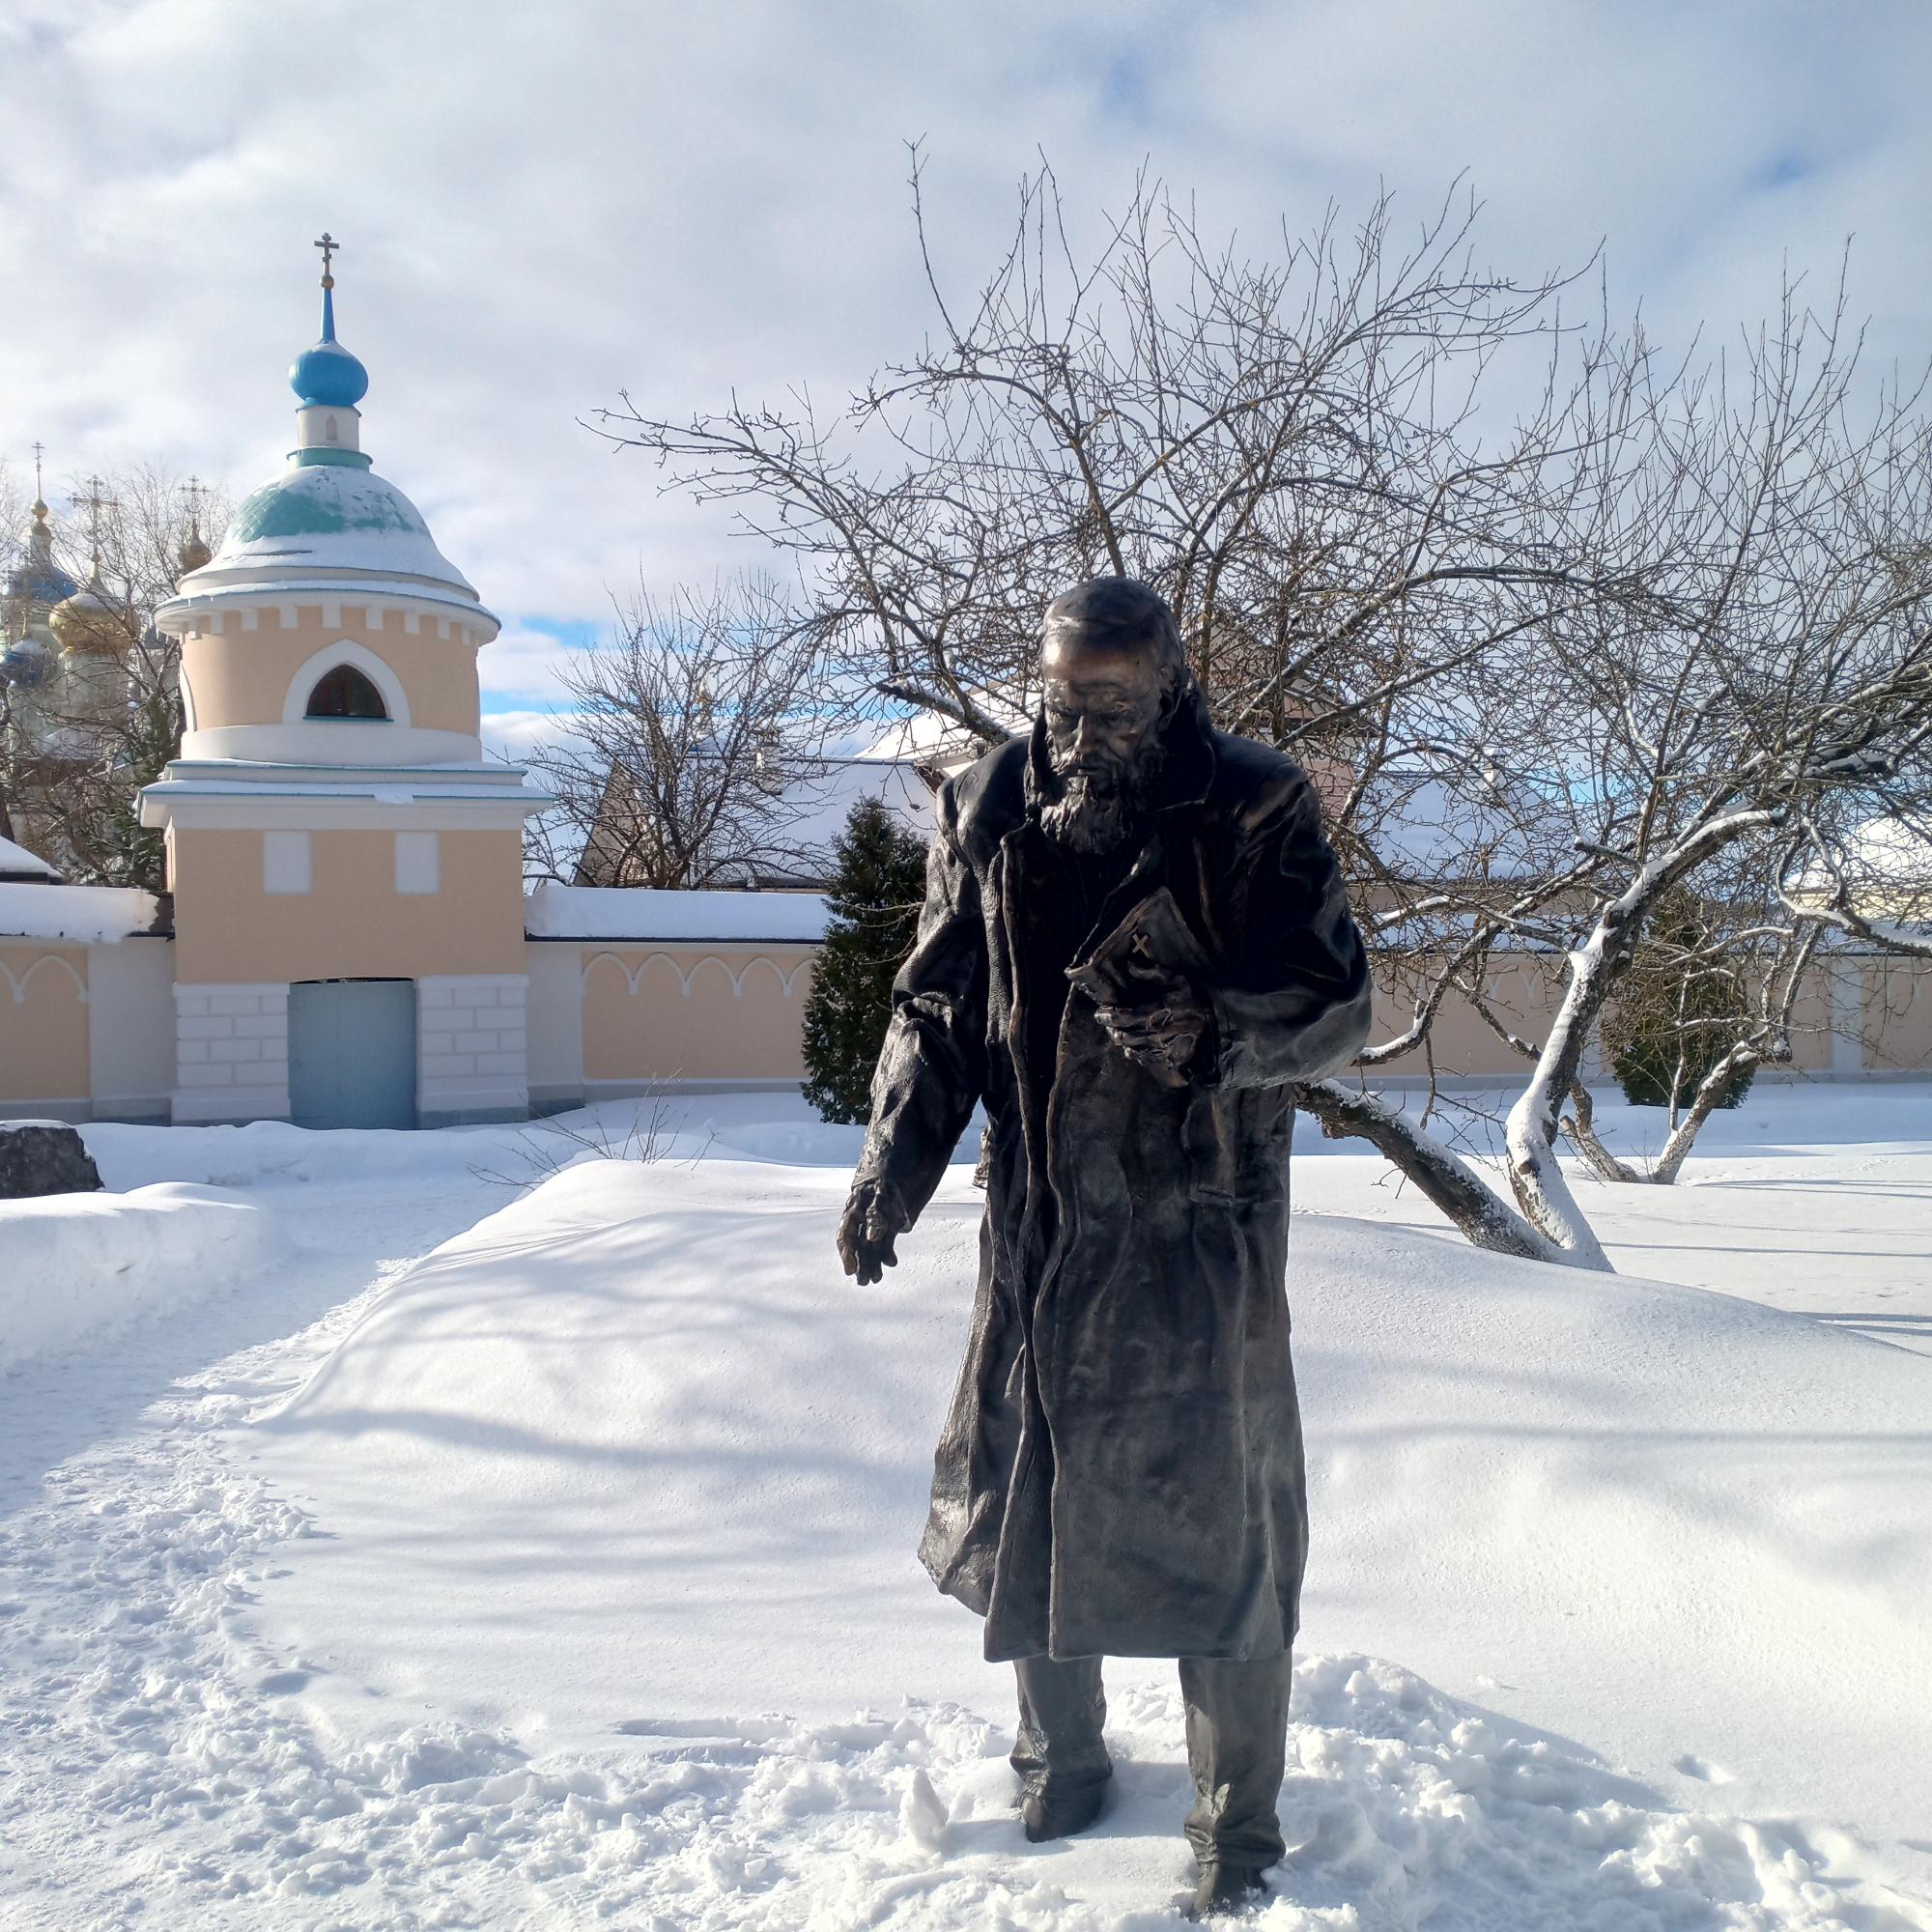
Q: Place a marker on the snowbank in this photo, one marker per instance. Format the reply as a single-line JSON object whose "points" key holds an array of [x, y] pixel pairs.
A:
{"points": [[80, 1266], [642, 912], [86, 914], [631, 1457]]}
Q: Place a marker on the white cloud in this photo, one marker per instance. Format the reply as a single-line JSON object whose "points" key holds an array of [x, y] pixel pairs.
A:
{"points": [[542, 205], [516, 734]]}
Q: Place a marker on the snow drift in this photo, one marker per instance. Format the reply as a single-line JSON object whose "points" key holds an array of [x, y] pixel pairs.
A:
{"points": [[629, 1460], [80, 1266]]}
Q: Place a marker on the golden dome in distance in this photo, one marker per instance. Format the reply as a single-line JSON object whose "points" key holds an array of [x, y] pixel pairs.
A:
{"points": [[90, 624], [195, 552]]}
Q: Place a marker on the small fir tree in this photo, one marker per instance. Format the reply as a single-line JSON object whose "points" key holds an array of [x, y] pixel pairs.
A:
{"points": [[874, 900], [1681, 1009]]}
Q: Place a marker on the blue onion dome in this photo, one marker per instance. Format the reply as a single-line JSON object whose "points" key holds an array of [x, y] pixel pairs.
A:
{"points": [[328, 374], [25, 664], [38, 579]]}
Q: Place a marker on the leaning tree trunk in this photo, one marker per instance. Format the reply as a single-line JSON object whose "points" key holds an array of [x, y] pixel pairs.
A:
{"points": [[1547, 1224], [1444, 1177], [1536, 1176], [1709, 1091]]}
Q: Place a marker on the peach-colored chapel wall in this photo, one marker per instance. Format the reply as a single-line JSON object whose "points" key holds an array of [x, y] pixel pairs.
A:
{"points": [[242, 676], [352, 922], [43, 1022], [694, 1012]]}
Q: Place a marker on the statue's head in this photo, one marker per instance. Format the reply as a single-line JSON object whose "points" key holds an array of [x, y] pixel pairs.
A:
{"points": [[1111, 667]]}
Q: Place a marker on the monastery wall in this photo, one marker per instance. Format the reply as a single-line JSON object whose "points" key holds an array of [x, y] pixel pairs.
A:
{"points": [[1854, 1017], [1896, 1004], [85, 1032], [43, 1066], [89, 1030], [706, 1015]]}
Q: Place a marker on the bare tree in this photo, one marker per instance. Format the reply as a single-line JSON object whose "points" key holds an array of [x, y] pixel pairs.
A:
{"points": [[81, 733], [695, 743], [1283, 448], [1767, 692], [1610, 626]]}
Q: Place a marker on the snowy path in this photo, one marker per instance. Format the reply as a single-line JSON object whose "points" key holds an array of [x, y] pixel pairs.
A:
{"points": [[165, 1763], [137, 1739]]}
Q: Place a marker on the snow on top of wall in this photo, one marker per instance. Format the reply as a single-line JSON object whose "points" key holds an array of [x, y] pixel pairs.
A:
{"points": [[645, 912], [18, 859], [85, 914], [926, 738], [820, 803]]}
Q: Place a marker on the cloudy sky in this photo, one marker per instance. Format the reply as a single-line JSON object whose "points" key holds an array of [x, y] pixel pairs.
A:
{"points": [[542, 205]]}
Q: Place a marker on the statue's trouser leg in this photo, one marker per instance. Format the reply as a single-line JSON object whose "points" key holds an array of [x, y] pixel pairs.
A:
{"points": [[1236, 1749], [1063, 1709]]}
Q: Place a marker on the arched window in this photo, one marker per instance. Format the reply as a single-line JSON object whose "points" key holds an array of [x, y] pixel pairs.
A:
{"points": [[345, 693]]}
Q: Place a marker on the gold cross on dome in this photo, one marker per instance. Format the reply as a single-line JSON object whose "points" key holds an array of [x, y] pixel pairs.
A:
{"points": [[330, 248], [94, 502]]}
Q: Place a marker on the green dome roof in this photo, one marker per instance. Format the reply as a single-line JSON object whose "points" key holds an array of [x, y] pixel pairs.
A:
{"points": [[333, 517]]}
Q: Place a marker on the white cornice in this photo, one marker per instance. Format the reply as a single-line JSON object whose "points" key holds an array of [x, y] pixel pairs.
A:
{"points": [[427, 798], [164, 806], [232, 773]]}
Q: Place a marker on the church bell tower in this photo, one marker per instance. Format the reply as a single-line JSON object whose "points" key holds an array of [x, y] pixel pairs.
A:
{"points": [[346, 863]]}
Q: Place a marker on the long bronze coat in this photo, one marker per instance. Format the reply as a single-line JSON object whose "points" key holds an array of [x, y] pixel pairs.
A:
{"points": [[1122, 1470]]}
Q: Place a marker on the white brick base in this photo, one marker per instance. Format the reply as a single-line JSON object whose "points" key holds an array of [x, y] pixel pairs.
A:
{"points": [[472, 1048], [231, 1053]]}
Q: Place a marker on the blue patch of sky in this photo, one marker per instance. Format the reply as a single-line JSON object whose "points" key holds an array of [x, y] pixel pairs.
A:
{"points": [[1783, 168], [1124, 86], [1128, 68], [574, 634]]}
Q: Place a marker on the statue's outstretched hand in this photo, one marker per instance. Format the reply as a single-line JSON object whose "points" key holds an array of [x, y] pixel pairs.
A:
{"points": [[875, 1216]]}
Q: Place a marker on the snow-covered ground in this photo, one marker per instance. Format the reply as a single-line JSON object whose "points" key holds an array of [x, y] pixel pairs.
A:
{"points": [[81, 1266], [565, 1577]]}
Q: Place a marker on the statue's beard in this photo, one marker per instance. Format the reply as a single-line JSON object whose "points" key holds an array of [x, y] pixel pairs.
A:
{"points": [[1093, 808]]}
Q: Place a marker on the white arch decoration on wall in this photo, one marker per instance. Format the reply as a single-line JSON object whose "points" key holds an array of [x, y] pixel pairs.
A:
{"points": [[786, 981], [21, 981], [294, 706]]}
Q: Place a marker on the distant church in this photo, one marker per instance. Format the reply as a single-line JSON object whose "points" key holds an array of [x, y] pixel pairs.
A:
{"points": [[351, 943], [68, 653]]}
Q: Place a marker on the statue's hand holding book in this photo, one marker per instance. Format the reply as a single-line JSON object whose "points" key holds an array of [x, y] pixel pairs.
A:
{"points": [[1146, 980]]}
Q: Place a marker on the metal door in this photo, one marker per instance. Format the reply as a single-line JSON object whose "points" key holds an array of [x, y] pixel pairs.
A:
{"points": [[353, 1053]]}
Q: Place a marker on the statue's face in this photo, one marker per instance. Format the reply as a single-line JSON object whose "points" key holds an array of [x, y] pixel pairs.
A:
{"points": [[1102, 710], [1101, 705]]}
